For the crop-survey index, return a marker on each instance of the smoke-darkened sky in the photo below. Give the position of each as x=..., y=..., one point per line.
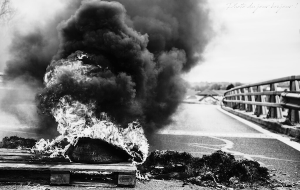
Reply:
x=136, y=51
x=268, y=39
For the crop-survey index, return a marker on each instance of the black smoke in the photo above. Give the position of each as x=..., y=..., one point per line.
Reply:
x=30, y=54
x=142, y=48
x=184, y=25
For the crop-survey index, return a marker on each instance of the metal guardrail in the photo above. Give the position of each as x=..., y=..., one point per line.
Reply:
x=271, y=102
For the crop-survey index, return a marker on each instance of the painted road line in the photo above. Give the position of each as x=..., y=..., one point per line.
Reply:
x=285, y=140
x=227, y=146
x=199, y=133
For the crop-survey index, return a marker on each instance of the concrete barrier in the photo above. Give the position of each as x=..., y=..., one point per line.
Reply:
x=270, y=124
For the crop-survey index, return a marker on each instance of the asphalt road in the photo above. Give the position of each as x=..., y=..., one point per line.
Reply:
x=203, y=129
x=200, y=129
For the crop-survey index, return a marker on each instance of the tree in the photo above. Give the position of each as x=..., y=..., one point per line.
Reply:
x=229, y=87
x=6, y=11
x=215, y=86
x=238, y=84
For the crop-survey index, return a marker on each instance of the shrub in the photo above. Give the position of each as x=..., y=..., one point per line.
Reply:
x=14, y=142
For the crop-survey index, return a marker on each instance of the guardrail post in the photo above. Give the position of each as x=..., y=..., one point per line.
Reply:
x=232, y=98
x=279, y=110
x=238, y=98
x=260, y=110
x=274, y=112
x=247, y=106
x=252, y=98
x=263, y=100
x=225, y=103
x=242, y=105
x=236, y=105
x=293, y=114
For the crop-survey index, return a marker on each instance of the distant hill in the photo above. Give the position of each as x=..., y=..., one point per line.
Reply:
x=200, y=86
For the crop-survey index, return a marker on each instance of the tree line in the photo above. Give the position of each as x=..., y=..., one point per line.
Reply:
x=214, y=85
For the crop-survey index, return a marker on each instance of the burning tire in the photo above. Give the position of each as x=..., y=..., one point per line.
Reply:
x=93, y=151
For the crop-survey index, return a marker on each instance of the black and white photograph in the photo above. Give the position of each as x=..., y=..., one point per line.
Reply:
x=150, y=94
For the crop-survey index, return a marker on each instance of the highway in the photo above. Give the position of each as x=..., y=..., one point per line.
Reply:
x=203, y=129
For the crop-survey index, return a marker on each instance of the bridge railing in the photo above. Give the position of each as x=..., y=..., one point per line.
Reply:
x=265, y=98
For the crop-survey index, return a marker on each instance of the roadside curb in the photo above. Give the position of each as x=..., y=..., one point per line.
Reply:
x=265, y=123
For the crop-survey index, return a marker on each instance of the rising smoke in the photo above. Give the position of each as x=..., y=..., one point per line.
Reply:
x=30, y=54
x=139, y=50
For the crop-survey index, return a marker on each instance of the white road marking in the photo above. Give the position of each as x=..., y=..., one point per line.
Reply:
x=229, y=145
x=202, y=153
x=199, y=133
x=285, y=140
x=198, y=145
x=225, y=146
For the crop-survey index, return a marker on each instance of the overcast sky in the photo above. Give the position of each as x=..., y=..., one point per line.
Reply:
x=256, y=40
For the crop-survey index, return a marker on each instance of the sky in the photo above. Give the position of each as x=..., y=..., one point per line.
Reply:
x=255, y=40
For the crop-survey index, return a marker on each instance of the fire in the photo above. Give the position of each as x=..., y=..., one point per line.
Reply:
x=76, y=119
x=132, y=69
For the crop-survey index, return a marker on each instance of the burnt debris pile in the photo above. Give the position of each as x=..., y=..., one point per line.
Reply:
x=219, y=168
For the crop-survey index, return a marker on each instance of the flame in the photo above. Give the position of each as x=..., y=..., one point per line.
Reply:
x=76, y=119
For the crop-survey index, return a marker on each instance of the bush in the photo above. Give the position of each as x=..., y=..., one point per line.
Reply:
x=14, y=142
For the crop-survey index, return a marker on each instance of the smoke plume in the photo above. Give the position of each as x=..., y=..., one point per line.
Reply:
x=30, y=54
x=137, y=51
x=184, y=25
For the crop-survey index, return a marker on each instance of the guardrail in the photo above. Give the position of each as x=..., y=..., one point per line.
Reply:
x=264, y=98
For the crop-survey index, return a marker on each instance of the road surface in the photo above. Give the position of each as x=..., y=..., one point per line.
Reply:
x=203, y=129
